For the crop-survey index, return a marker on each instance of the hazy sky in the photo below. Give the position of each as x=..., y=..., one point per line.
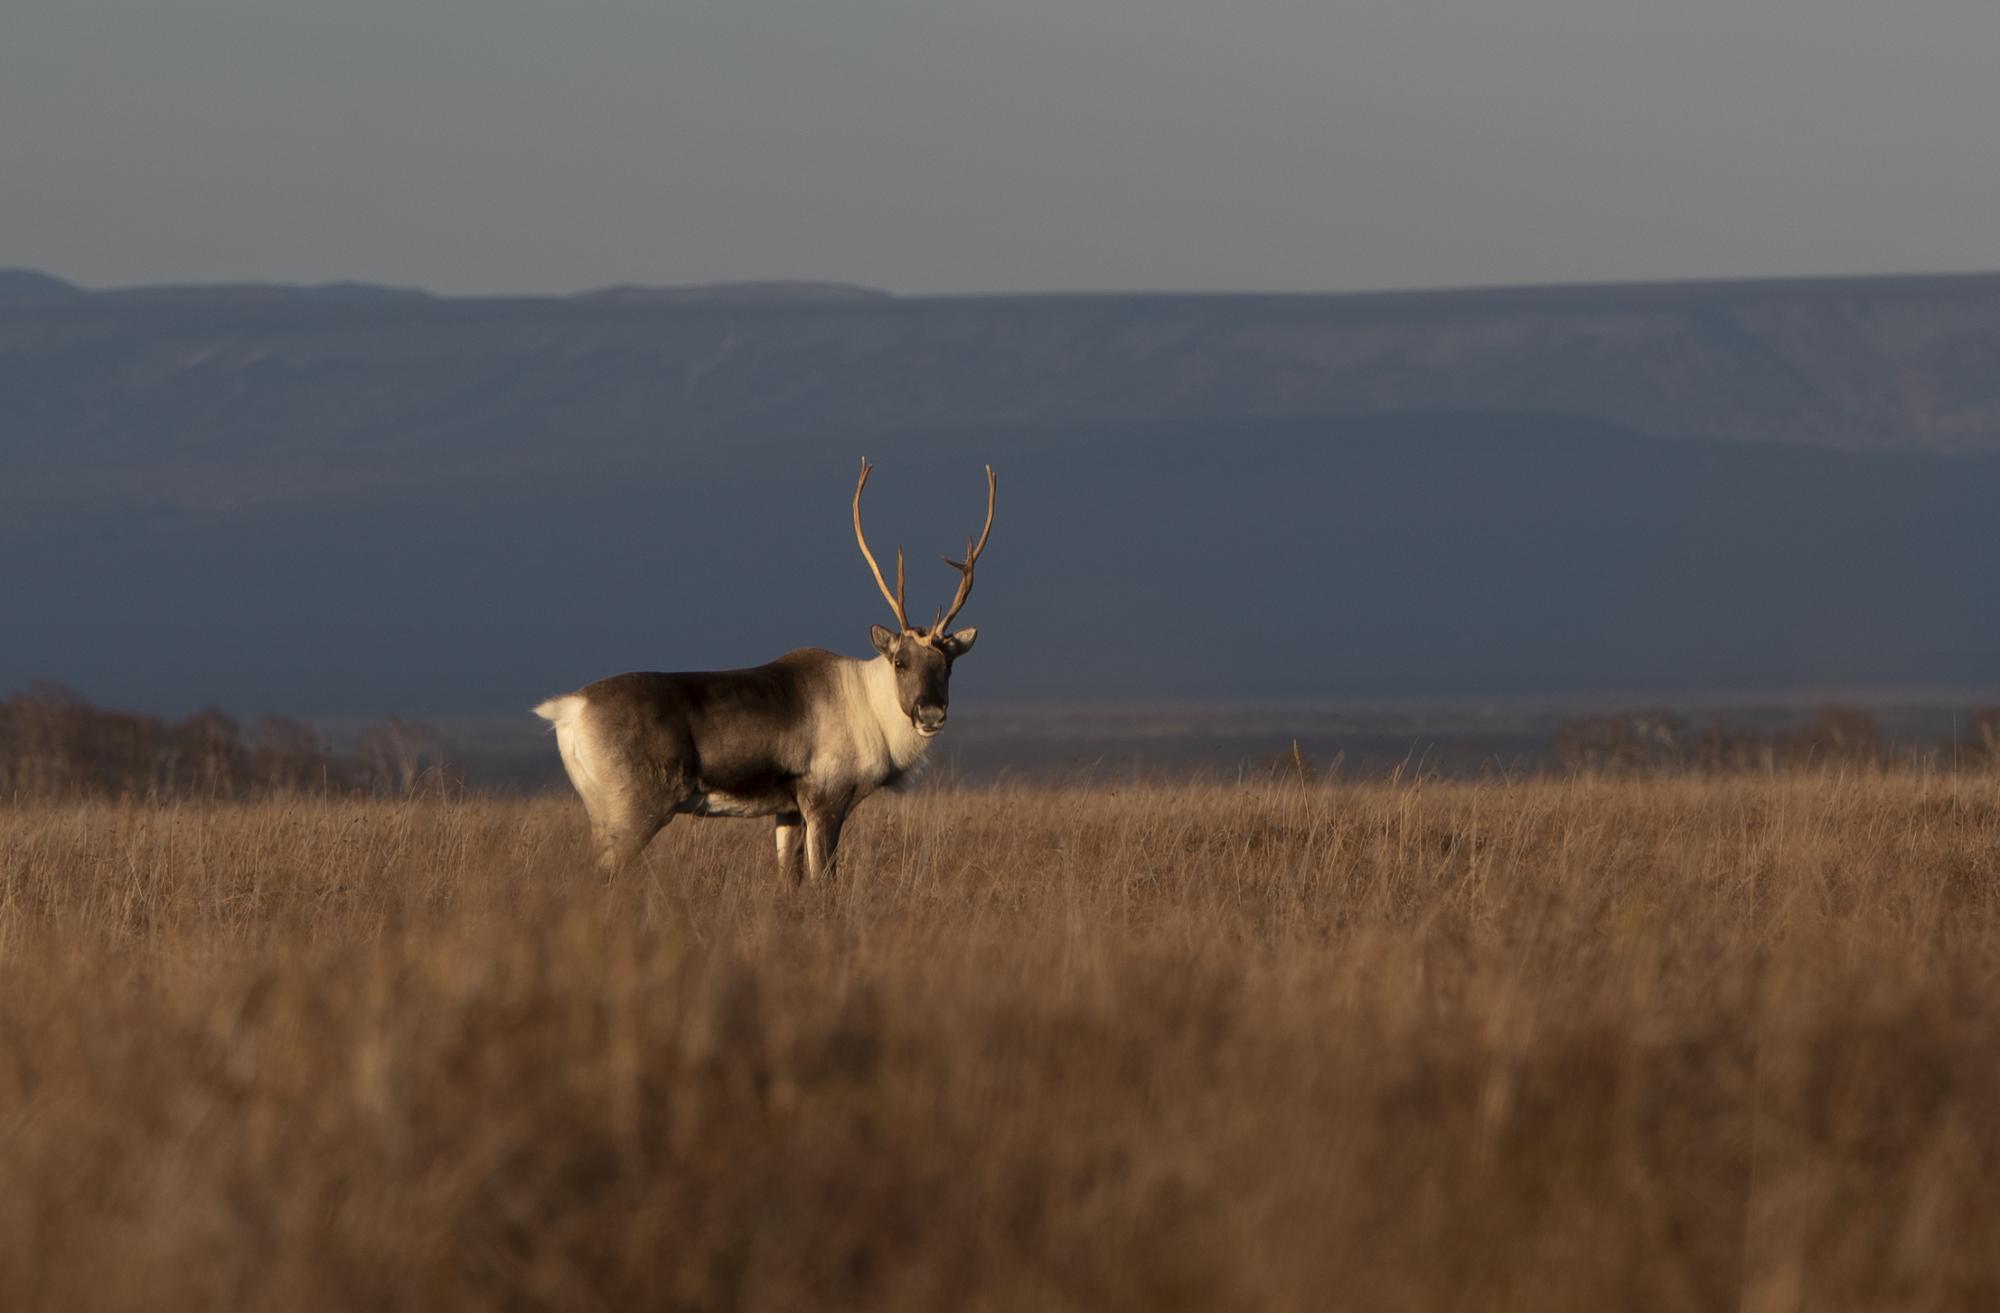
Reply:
x=931, y=145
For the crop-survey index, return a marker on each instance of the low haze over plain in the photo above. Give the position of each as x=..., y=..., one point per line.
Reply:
x=1035, y=145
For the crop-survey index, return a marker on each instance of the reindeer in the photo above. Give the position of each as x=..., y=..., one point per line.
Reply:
x=803, y=739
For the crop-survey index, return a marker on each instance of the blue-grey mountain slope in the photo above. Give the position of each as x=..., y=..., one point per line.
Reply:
x=360, y=503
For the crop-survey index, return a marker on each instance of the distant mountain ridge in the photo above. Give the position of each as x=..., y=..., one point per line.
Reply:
x=770, y=291
x=212, y=395
x=360, y=500
x=32, y=285
x=29, y=285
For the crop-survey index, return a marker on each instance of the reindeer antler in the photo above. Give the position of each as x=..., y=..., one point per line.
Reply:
x=964, y=567
x=894, y=599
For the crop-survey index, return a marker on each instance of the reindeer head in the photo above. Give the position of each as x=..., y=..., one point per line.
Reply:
x=922, y=658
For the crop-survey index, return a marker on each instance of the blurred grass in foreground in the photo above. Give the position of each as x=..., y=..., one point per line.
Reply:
x=1548, y=1044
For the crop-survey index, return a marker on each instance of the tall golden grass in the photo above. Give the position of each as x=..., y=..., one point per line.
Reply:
x=1680, y=1044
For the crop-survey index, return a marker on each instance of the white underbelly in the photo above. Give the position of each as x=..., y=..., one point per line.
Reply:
x=714, y=802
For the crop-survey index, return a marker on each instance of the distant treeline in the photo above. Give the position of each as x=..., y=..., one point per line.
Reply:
x=55, y=744
x=1659, y=740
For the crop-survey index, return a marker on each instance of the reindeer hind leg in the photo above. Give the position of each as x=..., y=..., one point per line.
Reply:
x=620, y=844
x=790, y=832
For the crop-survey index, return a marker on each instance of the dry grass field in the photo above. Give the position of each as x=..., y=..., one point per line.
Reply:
x=1538, y=1045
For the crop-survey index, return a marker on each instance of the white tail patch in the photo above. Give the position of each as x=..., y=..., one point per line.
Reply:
x=560, y=709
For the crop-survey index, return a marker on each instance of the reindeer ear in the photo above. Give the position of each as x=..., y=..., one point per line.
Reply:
x=958, y=644
x=883, y=639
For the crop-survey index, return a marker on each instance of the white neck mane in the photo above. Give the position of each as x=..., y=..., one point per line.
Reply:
x=906, y=747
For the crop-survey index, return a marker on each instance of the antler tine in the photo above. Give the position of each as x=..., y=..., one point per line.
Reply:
x=894, y=599
x=972, y=552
